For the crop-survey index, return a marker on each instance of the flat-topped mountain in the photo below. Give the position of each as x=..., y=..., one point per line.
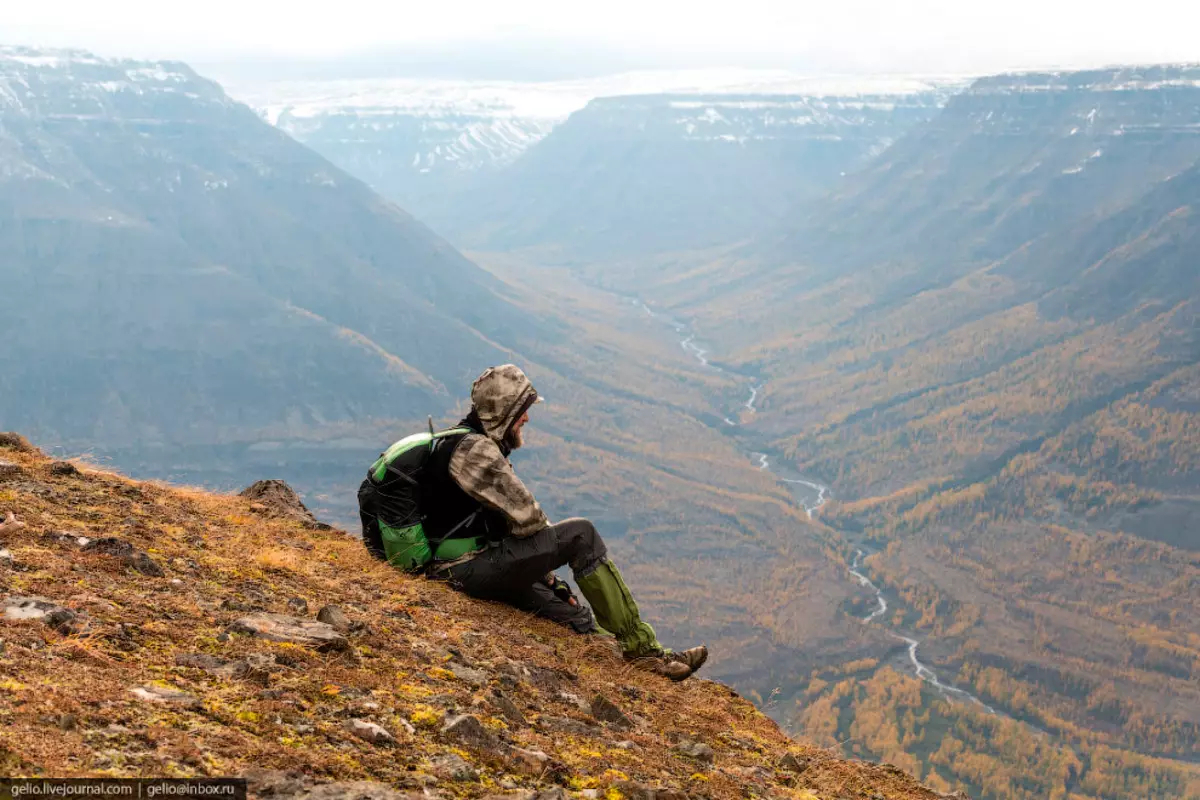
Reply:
x=627, y=175
x=642, y=163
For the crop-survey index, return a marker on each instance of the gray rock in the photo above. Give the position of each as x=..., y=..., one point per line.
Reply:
x=369, y=731
x=127, y=553
x=475, y=677
x=224, y=668
x=572, y=727
x=335, y=617
x=66, y=538
x=793, y=763
x=470, y=731
x=453, y=767
x=274, y=498
x=553, y=793
x=634, y=790
x=6, y=557
x=605, y=710
x=508, y=709
x=9, y=470
x=284, y=628
x=61, y=619
x=528, y=762
x=756, y=773
x=298, y=606
x=572, y=699
x=157, y=694
x=110, y=546
x=144, y=564
x=697, y=750
x=627, y=745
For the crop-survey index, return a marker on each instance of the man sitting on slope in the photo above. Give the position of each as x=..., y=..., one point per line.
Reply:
x=489, y=538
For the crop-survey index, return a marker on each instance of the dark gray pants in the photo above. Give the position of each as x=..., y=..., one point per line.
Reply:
x=511, y=571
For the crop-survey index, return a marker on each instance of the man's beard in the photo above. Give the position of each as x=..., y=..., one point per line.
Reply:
x=514, y=439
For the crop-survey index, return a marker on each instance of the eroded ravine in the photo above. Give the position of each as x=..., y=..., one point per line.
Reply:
x=812, y=495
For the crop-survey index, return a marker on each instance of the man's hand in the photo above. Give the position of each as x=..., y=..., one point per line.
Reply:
x=561, y=588
x=11, y=524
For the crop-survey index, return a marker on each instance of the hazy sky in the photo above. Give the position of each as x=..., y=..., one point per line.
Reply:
x=553, y=36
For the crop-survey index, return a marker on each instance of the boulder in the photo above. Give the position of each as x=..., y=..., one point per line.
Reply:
x=284, y=628
x=334, y=616
x=9, y=470
x=276, y=499
x=468, y=730
x=298, y=606
x=158, y=694
x=63, y=469
x=793, y=763
x=697, y=750
x=6, y=557
x=508, y=709
x=16, y=608
x=632, y=790
x=129, y=555
x=370, y=732
x=528, y=762
x=65, y=539
x=605, y=710
x=474, y=677
x=453, y=767
x=571, y=727
x=257, y=672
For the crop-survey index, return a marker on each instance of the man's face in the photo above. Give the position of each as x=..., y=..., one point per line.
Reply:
x=515, y=437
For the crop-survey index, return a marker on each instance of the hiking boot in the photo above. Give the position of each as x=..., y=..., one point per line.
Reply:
x=693, y=657
x=661, y=665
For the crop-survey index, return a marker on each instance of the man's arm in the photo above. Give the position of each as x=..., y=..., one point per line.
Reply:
x=482, y=471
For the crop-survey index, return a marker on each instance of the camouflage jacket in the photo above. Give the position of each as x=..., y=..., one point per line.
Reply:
x=480, y=464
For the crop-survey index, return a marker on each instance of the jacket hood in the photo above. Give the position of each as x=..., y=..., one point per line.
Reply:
x=500, y=396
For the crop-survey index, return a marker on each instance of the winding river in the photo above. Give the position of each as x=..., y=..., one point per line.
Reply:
x=812, y=495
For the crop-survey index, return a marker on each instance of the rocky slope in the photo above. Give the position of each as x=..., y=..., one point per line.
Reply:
x=155, y=631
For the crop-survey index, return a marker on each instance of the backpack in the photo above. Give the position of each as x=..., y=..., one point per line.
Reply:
x=390, y=502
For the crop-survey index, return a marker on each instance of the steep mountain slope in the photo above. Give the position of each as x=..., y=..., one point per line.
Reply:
x=180, y=641
x=987, y=344
x=249, y=310
x=656, y=160
x=189, y=274
x=630, y=175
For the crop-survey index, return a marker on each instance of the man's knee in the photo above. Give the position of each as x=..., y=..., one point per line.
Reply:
x=587, y=548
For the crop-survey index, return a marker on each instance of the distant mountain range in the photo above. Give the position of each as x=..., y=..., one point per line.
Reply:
x=988, y=341
x=187, y=273
x=625, y=165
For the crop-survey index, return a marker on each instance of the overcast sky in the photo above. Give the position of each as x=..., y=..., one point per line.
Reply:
x=543, y=38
